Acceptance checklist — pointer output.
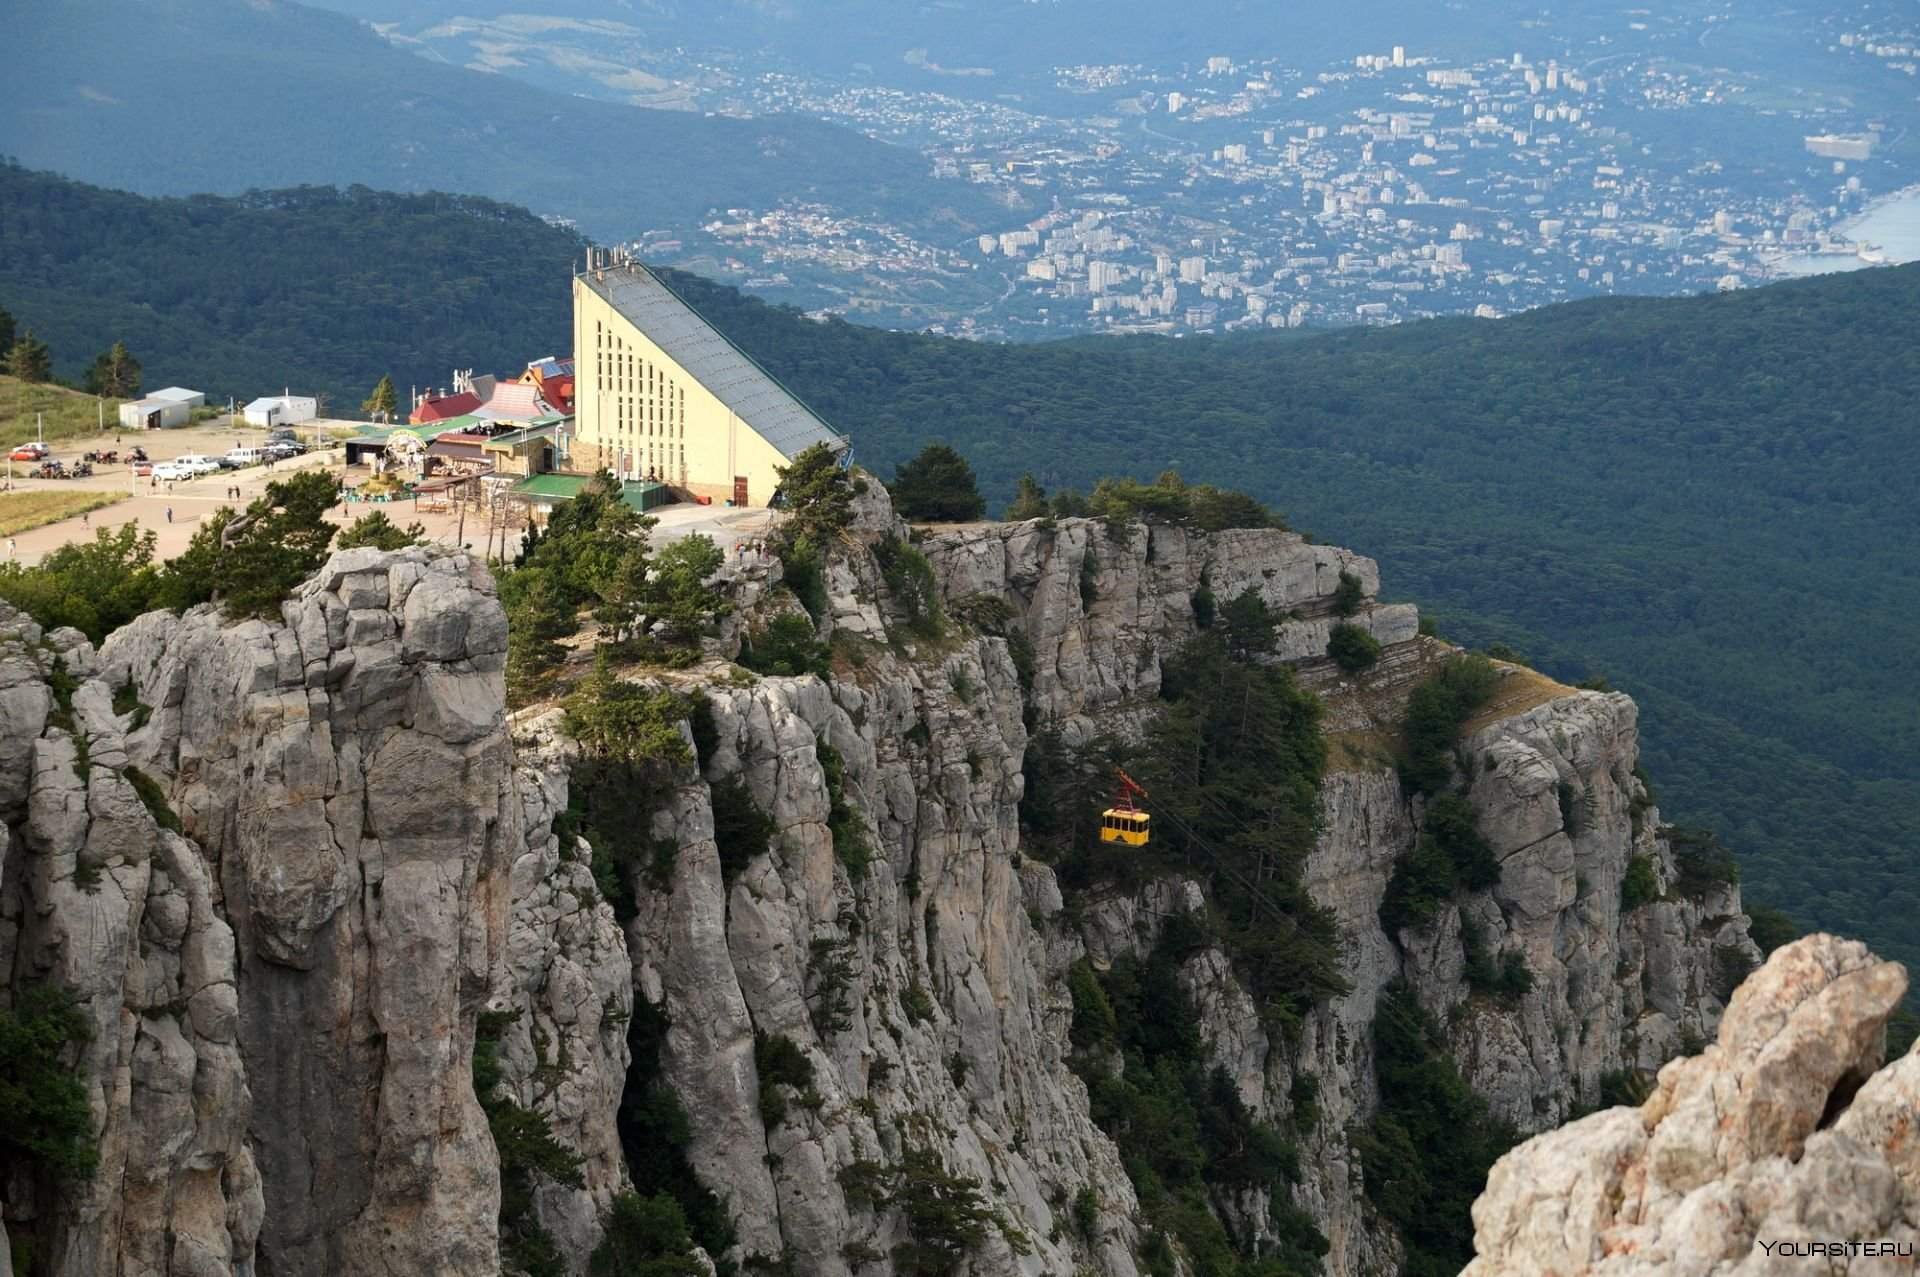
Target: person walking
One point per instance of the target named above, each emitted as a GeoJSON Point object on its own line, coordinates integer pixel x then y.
{"type": "Point", "coordinates": [13, 547]}
{"type": "Point", "coordinates": [169, 514]}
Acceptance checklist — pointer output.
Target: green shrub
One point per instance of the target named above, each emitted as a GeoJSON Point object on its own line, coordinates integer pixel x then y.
{"type": "Point", "coordinates": [627, 723]}
{"type": "Point", "coordinates": [1171, 500]}
{"type": "Point", "coordinates": [1089, 576]}
{"type": "Point", "coordinates": [788, 646]}
{"type": "Point", "coordinates": [741, 830]}
{"type": "Point", "coordinates": [45, 1123]}
{"type": "Point", "coordinates": [917, 1003]}
{"type": "Point", "coordinates": [1640, 885]}
{"type": "Point", "coordinates": [1700, 863]}
{"type": "Point", "coordinates": [1770, 928]}
{"type": "Point", "coordinates": [945, 1214]}
{"type": "Point", "coordinates": [1094, 1028]}
{"type": "Point", "coordinates": [780, 1062]}
{"type": "Point", "coordinates": [910, 583]}
{"type": "Point", "coordinates": [374, 529]}
{"type": "Point", "coordinates": [1086, 1210]}
{"type": "Point", "coordinates": [655, 1133]}
{"type": "Point", "coordinates": [850, 842]}
{"type": "Point", "coordinates": [527, 1150]}
{"type": "Point", "coordinates": [155, 799]}
{"type": "Point", "coordinates": [94, 586]}
{"type": "Point", "coordinates": [1425, 1155]}
{"type": "Point", "coordinates": [644, 1237]}
{"type": "Point", "coordinates": [803, 570]}
{"type": "Point", "coordinates": [1348, 597]}
{"type": "Point", "coordinates": [1436, 711]}
{"type": "Point", "coordinates": [1422, 883]}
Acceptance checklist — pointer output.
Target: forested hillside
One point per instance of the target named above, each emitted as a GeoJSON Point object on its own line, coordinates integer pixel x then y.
{"type": "Point", "coordinates": [312, 288]}
{"type": "Point", "coordinates": [1706, 500]}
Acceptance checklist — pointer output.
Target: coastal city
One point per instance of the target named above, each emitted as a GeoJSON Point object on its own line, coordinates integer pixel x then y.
{"type": "Point", "coordinates": [1396, 185]}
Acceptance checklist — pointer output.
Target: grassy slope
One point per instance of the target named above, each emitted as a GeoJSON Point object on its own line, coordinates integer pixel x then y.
{"type": "Point", "coordinates": [64, 413]}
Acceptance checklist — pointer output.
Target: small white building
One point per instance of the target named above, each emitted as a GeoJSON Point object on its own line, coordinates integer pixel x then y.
{"type": "Point", "coordinates": [281, 410]}
{"type": "Point", "coordinates": [180, 394]}
{"type": "Point", "coordinates": [155, 413]}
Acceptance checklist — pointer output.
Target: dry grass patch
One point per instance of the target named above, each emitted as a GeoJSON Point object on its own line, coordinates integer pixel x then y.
{"type": "Point", "coordinates": [24, 511]}
{"type": "Point", "coordinates": [1520, 689]}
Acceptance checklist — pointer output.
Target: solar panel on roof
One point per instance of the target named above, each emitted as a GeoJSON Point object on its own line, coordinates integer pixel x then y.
{"type": "Point", "coordinates": [746, 388]}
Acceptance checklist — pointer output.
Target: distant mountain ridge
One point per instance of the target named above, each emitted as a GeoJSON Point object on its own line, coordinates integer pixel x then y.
{"type": "Point", "coordinates": [172, 97]}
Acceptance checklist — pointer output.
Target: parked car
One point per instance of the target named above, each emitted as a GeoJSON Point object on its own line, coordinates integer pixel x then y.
{"type": "Point", "coordinates": [284, 448]}
{"type": "Point", "coordinates": [32, 450]}
{"type": "Point", "coordinates": [238, 457]}
{"type": "Point", "coordinates": [143, 468]}
{"type": "Point", "coordinates": [168, 471]}
{"type": "Point", "coordinates": [197, 463]}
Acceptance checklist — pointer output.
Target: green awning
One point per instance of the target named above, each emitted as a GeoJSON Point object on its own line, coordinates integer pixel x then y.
{"type": "Point", "coordinates": [548, 489]}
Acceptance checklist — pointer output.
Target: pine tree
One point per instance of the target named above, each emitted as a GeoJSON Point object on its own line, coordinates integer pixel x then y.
{"type": "Point", "coordinates": [383, 402]}
{"type": "Point", "coordinates": [817, 496]}
{"type": "Point", "coordinates": [1029, 500]}
{"type": "Point", "coordinates": [115, 374]}
{"type": "Point", "coordinates": [29, 360]}
{"type": "Point", "coordinates": [937, 487]}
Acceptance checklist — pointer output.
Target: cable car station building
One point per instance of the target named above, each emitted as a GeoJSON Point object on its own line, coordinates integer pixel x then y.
{"type": "Point", "coordinates": [661, 395]}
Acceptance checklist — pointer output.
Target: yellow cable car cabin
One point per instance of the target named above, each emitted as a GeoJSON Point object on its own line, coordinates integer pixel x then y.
{"type": "Point", "coordinates": [1125, 825]}
{"type": "Point", "coordinates": [1123, 822]}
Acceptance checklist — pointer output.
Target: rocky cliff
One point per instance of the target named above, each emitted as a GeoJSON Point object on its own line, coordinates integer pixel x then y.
{"type": "Point", "coordinates": [1784, 1147]}
{"type": "Point", "coordinates": [271, 863]}
{"type": "Point", "coordinates": [293, 869]}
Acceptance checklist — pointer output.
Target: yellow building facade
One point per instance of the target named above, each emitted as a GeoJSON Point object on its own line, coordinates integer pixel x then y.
{"type": "Point", "coordinates": [660, 394]}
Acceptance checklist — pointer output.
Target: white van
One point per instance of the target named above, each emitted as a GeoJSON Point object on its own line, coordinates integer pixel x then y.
{"type": "Point", "coordinates": [238, 457]}
{"type": "Point", "coordinates": [197, 463]}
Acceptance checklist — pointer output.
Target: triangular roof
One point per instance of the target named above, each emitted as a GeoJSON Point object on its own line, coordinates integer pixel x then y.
{"type": "Point", "coordinates": [752, 393]}
{"type": "Point", "coordinates": [446, 408]}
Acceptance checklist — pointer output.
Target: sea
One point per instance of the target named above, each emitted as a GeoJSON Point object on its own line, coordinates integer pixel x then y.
{"type": "Point", "coordinates": [1891, 225]}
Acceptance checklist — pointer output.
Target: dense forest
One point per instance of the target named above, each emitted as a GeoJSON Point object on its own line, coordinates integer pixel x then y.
{"type": "Point", "coordinates": [1705, 500]}
{"type": "Point", "coordinates": [316, 289]}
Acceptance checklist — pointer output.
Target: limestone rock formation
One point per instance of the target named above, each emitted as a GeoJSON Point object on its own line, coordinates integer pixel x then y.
{"type": "Point", "coordinates": [288, 866]}
{"type": "Point", "coordinates": [282, 994]}
{"type": "Point", "coordinates": [1781, 1139]}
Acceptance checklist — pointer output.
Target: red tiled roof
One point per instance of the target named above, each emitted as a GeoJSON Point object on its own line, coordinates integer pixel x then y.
{"type": "Point", "coordinates": [442, 409]}
{"type": "Point", "coordinates": [559, 392]}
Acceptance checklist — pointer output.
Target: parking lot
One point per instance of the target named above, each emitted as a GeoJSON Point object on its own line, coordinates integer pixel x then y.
{"type": "Point", "coordinates": [172, 511]}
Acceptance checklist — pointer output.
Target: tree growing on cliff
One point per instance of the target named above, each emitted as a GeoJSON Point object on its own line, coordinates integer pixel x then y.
{"type": "Point", "coordinates": [44, 1120]}
{"type": "Point", "coordinates": [376, 531]}
{"type": "Point", "coordinates": [1029, 500]}
{"type": "Point", "coordinates": [817, 496]}
{"type": "Point", "coordinates": [937, 486]}
{"type": "Point", "coordinates": [251, 561]}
